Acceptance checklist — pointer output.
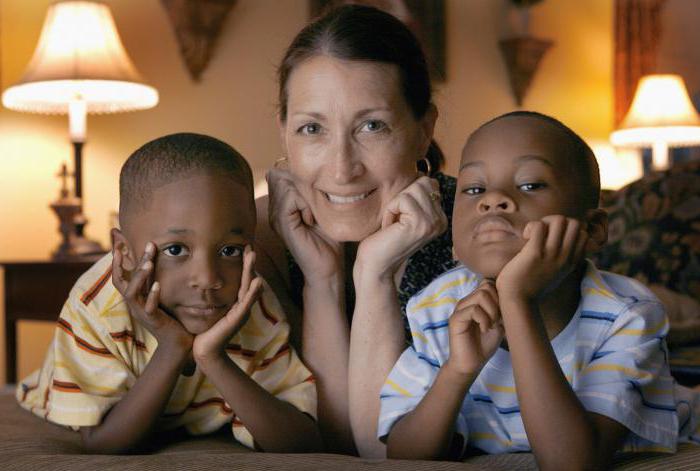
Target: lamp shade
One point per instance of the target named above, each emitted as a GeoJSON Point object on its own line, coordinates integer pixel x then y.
{"type": "Point", "coordinates": [80, 57]}
{"type": "Point", "coordinates": [660, 112]}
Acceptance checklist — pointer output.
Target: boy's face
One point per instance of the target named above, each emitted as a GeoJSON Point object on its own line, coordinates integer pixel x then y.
{"type": "Point", "coordinates": [200, 226]}
{"type": "Point", "coordinates": [512, 171]}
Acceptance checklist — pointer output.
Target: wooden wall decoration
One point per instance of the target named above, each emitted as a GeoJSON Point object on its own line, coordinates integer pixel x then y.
{"type": "Point", "coordinates": [197, 25]}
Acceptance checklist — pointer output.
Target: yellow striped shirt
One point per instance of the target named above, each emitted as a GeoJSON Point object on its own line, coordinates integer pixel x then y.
{"type": "Point", "coordinates": [99, 351]}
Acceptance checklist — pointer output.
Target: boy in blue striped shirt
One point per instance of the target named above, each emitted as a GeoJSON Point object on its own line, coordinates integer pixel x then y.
{"type": "Point", "coordinates": [527, 346]}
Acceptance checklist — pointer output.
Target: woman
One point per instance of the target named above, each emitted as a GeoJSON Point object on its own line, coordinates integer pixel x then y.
{"type": "Point", "coordinates": [356, 123]}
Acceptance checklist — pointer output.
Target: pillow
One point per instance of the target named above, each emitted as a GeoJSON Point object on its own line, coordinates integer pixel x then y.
{"type": "Point", "coordinates": [683, 315]}
{"type": "Point", "coordinates": [654, 236]}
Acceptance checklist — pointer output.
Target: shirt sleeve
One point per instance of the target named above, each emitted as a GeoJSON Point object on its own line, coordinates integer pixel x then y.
{"type": "Point", "coordinates": [276, 366]}
{"type": "Point", "coordinates": [83, 374]}
{"type": "Point", "coordinates": [628, 379]}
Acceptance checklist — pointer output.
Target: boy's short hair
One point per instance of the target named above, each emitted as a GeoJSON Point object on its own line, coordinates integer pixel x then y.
{"type": "Point", "coordinates": [169, 158]}
{"type": "Point", "coordinates": [581, 156]}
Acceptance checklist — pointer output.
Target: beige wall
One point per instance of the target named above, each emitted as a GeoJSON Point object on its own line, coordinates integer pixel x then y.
{"type": "Point", "coordinates": [235, 101]}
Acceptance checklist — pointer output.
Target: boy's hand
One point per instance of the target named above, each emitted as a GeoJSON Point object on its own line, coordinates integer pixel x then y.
{"type": "Point", "coordinates": [476, 330]}
{"type": "Point", "coordinates": [212, 343]}
{"type": "Point", "coordinates": [555, 245]}
{"type": "Point", "coordinates": [142, 299]}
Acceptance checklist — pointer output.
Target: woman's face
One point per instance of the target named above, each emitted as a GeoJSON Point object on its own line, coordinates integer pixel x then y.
{"type": "Point", "coordinates": [352, 141]}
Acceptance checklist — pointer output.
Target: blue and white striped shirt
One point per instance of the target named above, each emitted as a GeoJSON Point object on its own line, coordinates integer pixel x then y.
{"type": "Point", "coordinates": [612, 352]}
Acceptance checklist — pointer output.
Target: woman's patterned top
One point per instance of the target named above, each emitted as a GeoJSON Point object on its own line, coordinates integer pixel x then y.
{"type": "Point", "coordinates": [423, 266]}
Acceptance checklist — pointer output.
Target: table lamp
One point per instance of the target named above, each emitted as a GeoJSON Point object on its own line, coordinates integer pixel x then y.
{"type": "Point", "coordinates": [79, 66]}
{"type": "Point", "coordinates": [661, 116]}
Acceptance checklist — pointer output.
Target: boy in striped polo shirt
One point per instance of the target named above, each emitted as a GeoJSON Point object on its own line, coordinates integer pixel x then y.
{"type": "Point", "coordinates": [527, 346]}
{"type": "Point", "coordinates": [173, 329]}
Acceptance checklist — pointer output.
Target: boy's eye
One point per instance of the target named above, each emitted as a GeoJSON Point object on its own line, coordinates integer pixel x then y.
{"type": "Point", "coordinates": [309, 129]}
{"type": "Point", "coordinates": [373, 125]}
{"type": "Point", "coordinates": [175, 250]}
{"type": "Point", "coordinates": [473, 190]}
{"type": "Point", "coordinates": [231, 251]}
{"type": "Point", "coordinates": [531, 186]}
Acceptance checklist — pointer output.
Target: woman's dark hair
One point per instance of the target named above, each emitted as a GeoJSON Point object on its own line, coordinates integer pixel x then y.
{"type": "Point", "coordinates": [361, 33]}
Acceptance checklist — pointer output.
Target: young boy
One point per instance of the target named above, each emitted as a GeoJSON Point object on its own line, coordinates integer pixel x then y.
{"type": "Point", "coordinates": [185, 334]}
{"type": "Point", "coordinates": [581, 370]}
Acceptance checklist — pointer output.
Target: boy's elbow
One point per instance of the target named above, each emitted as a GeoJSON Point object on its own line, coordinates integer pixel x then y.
{"type": "Point", "coordinates": [398, 450]}
{"type": "Point", "coordinates": [92, 444]}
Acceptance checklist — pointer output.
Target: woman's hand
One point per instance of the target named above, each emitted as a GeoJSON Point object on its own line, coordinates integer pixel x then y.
{"type": "Point", "coordinates": [290, 216]}
{"type": "Point", "coordinates": [410, 220]}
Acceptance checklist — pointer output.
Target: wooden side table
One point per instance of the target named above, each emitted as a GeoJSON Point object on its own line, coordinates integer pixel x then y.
{"type": "Point", "coordinates": [34, 291]}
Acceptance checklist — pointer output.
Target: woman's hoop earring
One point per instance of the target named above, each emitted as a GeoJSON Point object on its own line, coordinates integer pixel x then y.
{"type": "Point", "coordinates": [280, 163]}
{"type": "Point", "coordinates": [428, 168]}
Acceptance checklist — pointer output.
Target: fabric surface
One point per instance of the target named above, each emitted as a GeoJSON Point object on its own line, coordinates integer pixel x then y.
{"type": "Point", "coordinates": [29, 443]}
{"type": "Point", "coordinates": [612, 352]}
{"type": "Point", "coordinates": [423, 267]}
{"type": "Point", "coordinates": [654, 230]}
{"type": "Point", "coordinates": [99, 351]}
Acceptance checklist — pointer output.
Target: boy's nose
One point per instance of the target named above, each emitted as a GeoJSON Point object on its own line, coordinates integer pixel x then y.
{"type": "Point", "coordinates": [205, 276]}
{"type": "Point", "coordinates": [496, 202]}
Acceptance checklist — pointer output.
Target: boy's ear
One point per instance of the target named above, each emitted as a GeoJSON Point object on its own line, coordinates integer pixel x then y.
{"type": "Point", "coordinates": [597, 227]}
{"type": "Point", "coordinates": [119, 243]}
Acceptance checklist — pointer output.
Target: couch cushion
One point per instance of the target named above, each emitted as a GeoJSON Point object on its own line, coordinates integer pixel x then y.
{"type": "Point", "coordinates": [654, 236]}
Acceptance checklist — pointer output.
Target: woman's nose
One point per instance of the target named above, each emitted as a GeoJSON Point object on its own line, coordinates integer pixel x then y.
{"type": "Point", "coordinates": [497, 202]}
{"type": "Point", "coordinates": [347, 162]}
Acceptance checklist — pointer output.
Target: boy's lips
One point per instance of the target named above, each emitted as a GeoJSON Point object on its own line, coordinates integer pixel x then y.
{"type": "Point", "coordinates": [203, 309]}
{"type": "Point", "coordinates": [494, 229]}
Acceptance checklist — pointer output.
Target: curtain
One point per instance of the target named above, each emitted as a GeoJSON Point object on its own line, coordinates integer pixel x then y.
{"type": "Point", "coordinates": [637, 34]}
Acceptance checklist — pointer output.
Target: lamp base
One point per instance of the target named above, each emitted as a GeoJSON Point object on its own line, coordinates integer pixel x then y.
{"type": "Point", "coordinates": [75, 246]}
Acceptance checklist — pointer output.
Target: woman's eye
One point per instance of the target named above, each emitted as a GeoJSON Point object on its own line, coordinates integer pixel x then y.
{"type": "Point", "coordinates": [473, 190]}
{"type": "Point", "coordinates": [309, 129]}
{"type": "Point", "coordinates": [531, 186]}
{"type": "Point", "coordinates": [175, 250]}
{"type": "Point", "coordinates": [231, 251]}
{"type": "Point", "coordinates": [373, 125]}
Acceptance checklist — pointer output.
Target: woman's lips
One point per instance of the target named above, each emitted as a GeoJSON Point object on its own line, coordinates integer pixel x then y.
{"type": "Point", "coordinates": [334, 198]}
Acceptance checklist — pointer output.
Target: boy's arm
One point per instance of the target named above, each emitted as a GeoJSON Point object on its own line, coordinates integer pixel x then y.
{"type": "Point", "coordinates": [130, 421]}
{"type": "Point", "coordinates": [276, 425]}
{"type": "Point", "coordinates": [428, 432]}
{"type": "Point", "coordinates": [475, 332]}
{"type": "Point", "coordinates": [562, 434]}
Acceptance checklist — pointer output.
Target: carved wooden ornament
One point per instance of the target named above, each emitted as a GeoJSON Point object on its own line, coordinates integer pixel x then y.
{"type": "Point", "coordinates": [197, 25]}
{"type": "Point", "coordinates": [522, 56]}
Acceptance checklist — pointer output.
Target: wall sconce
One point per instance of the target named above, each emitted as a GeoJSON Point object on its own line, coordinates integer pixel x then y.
{"type": "Point", "coordinates": [79, 66]}
{"type": "Point", "coordinates": [661, 116]}
{"type": "Point", "coordinates": [522, 52]}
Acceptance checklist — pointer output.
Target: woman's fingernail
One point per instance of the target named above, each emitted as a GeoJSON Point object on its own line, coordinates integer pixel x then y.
{"type": "Point", "coordinates": [148, 265]}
